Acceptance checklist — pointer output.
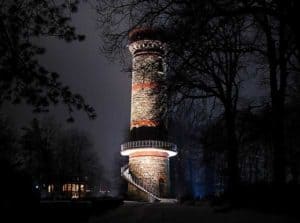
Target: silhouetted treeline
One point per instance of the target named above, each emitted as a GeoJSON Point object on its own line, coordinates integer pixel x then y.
{"type": "Point", "coordinates": [44, 153]}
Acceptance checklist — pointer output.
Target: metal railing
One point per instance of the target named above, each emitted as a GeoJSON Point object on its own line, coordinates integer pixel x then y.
{"type": "Point", "coordinates": [151, 192]}
{"type": "Point", "coordinates": [149, 143]}
{"type": "Point", "coordinates": [139, 183]}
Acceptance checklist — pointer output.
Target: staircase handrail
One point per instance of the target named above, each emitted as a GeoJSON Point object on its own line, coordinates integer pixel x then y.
{"type": "Point", "coordinates": [138, 183]}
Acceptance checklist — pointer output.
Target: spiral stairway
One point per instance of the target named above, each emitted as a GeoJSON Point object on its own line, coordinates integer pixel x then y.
{"type": "Point", "coordinates": [152, 195]}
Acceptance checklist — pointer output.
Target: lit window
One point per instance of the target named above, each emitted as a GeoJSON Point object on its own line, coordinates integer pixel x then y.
{"type": "Point", "coordinates": [81, 187]}
{"type": "Point", "coordinates": [50, 188]}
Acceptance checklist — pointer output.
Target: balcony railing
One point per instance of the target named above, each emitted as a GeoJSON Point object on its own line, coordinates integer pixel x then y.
{"type": "Point", "coordinates": [149, 144]}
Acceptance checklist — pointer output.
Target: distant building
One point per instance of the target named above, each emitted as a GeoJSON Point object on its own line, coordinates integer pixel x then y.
{"type": "Point", "coordinates": [68, 188]}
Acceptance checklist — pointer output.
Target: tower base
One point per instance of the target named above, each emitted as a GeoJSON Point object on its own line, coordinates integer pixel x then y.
{"type": "Point", "coordinates": [147, 171]}
{"type": "Point", "coordinates": [150, 169]}
{"type": "Point", "coordinates": [136, 194]}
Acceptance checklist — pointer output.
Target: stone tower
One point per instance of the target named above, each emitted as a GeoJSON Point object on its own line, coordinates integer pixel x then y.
{"type": "Point", "coordinates": [148, 170]}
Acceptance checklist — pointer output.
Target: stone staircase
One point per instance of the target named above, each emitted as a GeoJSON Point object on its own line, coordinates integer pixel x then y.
{"type": "Point", "coordinates": [152, 195]}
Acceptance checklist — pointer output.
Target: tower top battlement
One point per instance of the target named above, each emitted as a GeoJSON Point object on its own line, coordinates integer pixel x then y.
{"type": "Point", "coordinates": [146, 33]}
{"type": "Point", "coordinates": [147, 45]}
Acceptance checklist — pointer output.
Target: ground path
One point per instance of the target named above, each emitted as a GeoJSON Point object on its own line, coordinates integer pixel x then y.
{"type": "Point", "coordinates": [136, 212]}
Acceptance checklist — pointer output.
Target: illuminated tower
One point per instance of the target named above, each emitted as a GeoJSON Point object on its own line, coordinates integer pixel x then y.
{"type": "Point", "coordinates": [148, 170]}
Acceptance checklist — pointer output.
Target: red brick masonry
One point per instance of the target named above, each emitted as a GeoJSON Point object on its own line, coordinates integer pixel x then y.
{"type": "Point", "coordinates": [139, 86]}
{"type": "Point", "coordinates": [146, 122]}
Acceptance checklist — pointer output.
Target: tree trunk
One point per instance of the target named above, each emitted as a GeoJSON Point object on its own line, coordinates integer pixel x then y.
{"type": "Point", "coordinates": [232, 152]}
{"type": "Point", "coordinates": [278, 99]}
{"type": "Point", "coordinates": [277, 89]}
{"type": "Point", "coordinates": [278, 141]}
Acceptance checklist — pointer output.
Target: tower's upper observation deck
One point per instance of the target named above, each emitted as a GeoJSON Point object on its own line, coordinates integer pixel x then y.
{"type": "Point", "coordinates": [146, 40]}
{"type": "Point", "coordinates": [146, 33]}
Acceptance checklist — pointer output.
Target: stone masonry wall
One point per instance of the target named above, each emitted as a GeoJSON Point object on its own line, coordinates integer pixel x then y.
{"type": "Point", "coordinates": [153, 171]}
{"type": "Point", "coordinates": [135, 194]}
{"type": "Point", "coordinates": [146, 109]}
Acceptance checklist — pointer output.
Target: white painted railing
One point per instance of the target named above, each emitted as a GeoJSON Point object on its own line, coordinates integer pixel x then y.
{"type": "Point", "coordinates": [149, 144]}
{"type": "Point", "coordinates": [134, 181]}
{"type": "Point", "coordinates": [153, 196]}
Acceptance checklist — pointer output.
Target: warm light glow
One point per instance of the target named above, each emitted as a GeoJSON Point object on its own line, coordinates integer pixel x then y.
{"type": "Point", "coordinates": [145, 122]}
{"type": "Point", "coordinates": [75, 196]}
{"type": "Point", "coordinates": [127, 152]}
{"type": "Point", "coordinates": [74, 189]}
{"type": "Point", "coordinates": [143, 85]}
{"type": "Point", "coordinates": [50, 188]}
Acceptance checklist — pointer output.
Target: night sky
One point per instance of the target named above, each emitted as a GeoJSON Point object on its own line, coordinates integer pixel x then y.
{"type": "Point", "coordinates": [87, 71]}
